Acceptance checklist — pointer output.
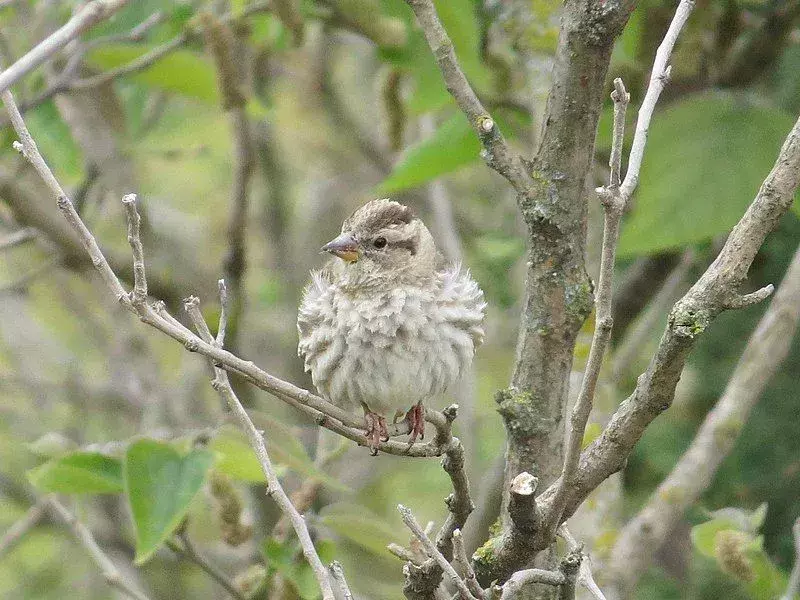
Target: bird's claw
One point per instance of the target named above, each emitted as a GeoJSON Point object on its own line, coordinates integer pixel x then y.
{"type": "Point", "coordinates": [416, 422]}
{"type": "Point", "coordinates": [376, 432]}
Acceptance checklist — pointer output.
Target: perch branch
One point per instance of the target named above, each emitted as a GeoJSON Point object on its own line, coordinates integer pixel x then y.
{"type": "Point", "coordinates": [88, 16]}
{"type": "Point", "coordinates": [256, 439]}
{"type": "Point", "coordinates": [86, 539]}
{"type": "Point", "coordinates": [768, 346]}
{"type": "Point", "coordinates": [434, 553]}
{"type": "Point", "coordinates": [322, 412]}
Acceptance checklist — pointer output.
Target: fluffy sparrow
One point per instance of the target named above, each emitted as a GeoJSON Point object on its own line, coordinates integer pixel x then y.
{"type": "Point", "coordinates": [386, 325]}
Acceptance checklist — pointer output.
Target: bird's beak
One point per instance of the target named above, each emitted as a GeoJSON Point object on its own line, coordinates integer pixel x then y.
{"type": "Point", "coordinates": [344, 246]}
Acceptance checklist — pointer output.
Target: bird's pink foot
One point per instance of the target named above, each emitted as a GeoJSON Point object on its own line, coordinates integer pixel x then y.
{"type": "Point", "coordinates": [376, 430]}
{"type": "Point", "coordinates": [416, 421]}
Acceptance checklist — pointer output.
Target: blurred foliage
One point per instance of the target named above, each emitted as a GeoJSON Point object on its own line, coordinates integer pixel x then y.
{"type": "Point", "coordinates": [66, 380]}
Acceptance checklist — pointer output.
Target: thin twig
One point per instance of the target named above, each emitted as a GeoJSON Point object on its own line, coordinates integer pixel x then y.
{"type": "Point", "coordinates": [338, 575]}
{"type": "Point", "coordinates": [12, 240]}
{"type": "Point", "coordinates": [256, 438]}
{"type": "Point", "coordinates": [20, 529]}
{"type": "Point", "coordinates": [321, 411]}
{"type": "Point", "coordinates": [585, 577]}
{"type": "Point", "coordinates": [433, 552]}
{"type": "Point", "coordinates": [189, 552]}
{"type": "Point", "coordinates": [658, 79]}
{"type": "Point", "coordinates": [496, 151]}
{"type": "Point", "coordinates": [793, 586]}
{"type": "Point", "coordinates": [521, 579]}
{"type": "Point", "coordinates": [112, 575]}
{"type": "Point", "coordinates": [614, 206]}
{"type": "Point", "coordinates": [766, 349]}
{"type": "Point", "coordinates": [460, 558]}
{"type": "Point", "coordinates": [88, 16]}
{"type": "Point", "coordinates": [615, 199]}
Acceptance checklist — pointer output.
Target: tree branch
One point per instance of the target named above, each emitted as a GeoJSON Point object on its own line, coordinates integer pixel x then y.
{"type": "Point", "coordinates": [88, 16]}
{"type": "Point", "coordinates": [496, 152]}
{"type": "Point", "coordinates": [20, 529]}
{"type": "Point", "coordinates": [189, 552]}
{"type": "Point", "coordinates": [768, 346]}
{"type": "Point", "coordinates": [434, 553]}
{"type": "Point", "coordinates": [256, 439]}
{"type": "Point", "coordinates": [86, 539]}
{"type": "Point", "coordinates": [715, 292]}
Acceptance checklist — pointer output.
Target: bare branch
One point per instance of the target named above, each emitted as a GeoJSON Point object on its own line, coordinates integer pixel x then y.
{"type": "Point", "coordinates": [433, 552]}
{"type": "Point", "coordinates": [86, 539]}
{"type": "Point", "coordinates": [614, 205]}
{"type": "Point", "coordinates": [139, 277]}
{"type": "Point", "coordinates": [496, 152]}
{"type": "Point", "coordinates": [256, 439]}
{"type": "Point", "coordinates": [615, 199]}
{"type": "Point", "coordinates": [321, 411]}
{"type": "Point", "coordinates": [20, 529]}
{"type": "Point", "coordinates": [793, 586]}
{"type": "Point", "coordinates": [17, 238]}
{"type": "Point", "coordinates": [689, 318]}
{"type": "Point", "coordinates": [338, 575]}
{"type": "Point", "coordinates": [189, 552]}
{"type": "Point", "coordinates": [768, 346]}
{"type": "Point", "coordinates": [521, 579]}
{"type": "Point", "coordinates": [88, 16]}
{"type": "Point", "coordinates": [585, 577]}
{"type": "Point", "coordinates": [658, 79]}
{"type": "Point", "coordinates": [462, 562]}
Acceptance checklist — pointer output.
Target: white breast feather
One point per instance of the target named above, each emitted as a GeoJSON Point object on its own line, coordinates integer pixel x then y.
{"type": "Point", "coordinates": [390, 349]}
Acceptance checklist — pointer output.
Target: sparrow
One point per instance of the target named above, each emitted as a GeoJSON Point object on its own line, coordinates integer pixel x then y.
{"type": "Point", "coordinates": [386, 324]}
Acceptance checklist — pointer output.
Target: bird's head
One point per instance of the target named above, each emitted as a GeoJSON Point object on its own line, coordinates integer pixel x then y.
{"type": "Point", "coordinates": [383, 239]}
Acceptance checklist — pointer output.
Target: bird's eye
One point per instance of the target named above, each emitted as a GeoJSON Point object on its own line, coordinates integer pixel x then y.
{"type": "Point", "coordinates": [379, 242]}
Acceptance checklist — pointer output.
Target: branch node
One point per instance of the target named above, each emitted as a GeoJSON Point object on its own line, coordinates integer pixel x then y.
{"type": "Point", "coordinates": [741, 301]}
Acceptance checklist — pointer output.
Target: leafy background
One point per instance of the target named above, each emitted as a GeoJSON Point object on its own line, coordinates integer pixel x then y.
{"type": "Point", "coordinates": [123, 422]}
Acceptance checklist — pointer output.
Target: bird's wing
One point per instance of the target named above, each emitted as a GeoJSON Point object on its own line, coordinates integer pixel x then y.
{"type": "Point", "coordinates": [461, 301]}
{"type": "Point", "coordinates": [310, 314]}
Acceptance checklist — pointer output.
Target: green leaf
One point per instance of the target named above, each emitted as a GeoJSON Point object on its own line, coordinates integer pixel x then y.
{"type": "Point", "coordinates": [55, 141]}
{"type": "Point", "coordinates": [359, 525]}
{"type": "Point", "coordinates": [705, 159]}
{"type": "Point", "coordinates": [79, 473]}
{"type": "Point", "coordinates": [453, 145]}
{"type": "Point", "coordinates": [161, 484]}
{"type": "Point", "coordinates": [182, 71]}
{"type": "Point", "coordinates": [704, 535]}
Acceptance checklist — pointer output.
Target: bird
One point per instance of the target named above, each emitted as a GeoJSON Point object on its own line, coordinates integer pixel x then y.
{"type": "Point", "coordinates": [387, 323]}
